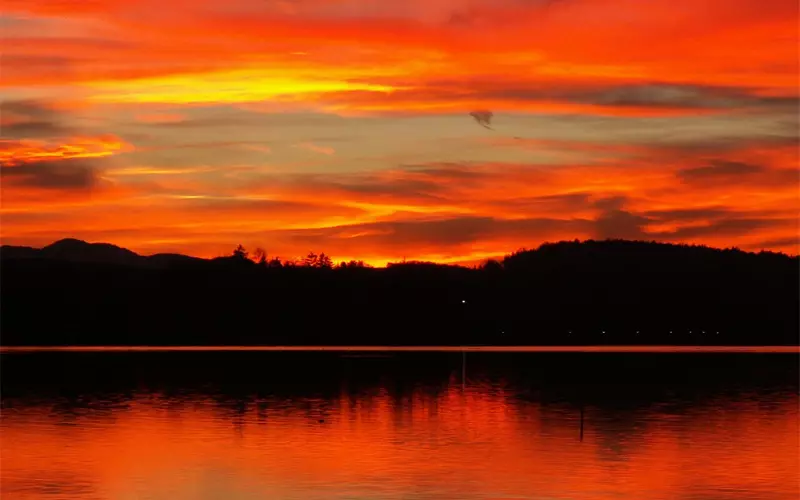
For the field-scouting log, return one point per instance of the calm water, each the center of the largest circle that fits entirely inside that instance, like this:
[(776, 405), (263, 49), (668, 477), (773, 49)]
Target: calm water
[(328, 425)]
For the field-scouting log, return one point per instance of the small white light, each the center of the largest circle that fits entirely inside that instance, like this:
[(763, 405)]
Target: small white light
[(637, 332), (463, 301), (603, 331)]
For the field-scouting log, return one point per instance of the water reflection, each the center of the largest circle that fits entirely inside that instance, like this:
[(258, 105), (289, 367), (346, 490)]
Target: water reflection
[(262, 425)]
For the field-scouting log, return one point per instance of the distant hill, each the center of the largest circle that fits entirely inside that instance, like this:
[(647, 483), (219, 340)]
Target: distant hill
[(591, 292), (19, 252), (74, 250), (80, 251)]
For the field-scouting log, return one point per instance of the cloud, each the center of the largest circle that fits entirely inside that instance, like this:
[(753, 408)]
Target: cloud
[(29, 108), (790, 244), (67, 174), (625, 48), (399, 190), (587, 97), (616, 223), (261, 209), (445, 236), (724, 227), (483, 118), (26, 151), (394, 219), (730, 172), (407, 185), (627, 129), (310, 146), (446, 171), (42, 155), (719, 169), (177, 121), (30, 119), (610, 203), (44, 158), (33, 129), (688, 214), (160, 118), (564, 204), (682, 96), (619, 224), (33, 68)]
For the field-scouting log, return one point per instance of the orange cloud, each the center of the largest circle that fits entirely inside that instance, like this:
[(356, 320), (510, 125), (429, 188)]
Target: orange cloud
[(160, 118), (629, 45), (456, 212), (325, 150), (28, 150)]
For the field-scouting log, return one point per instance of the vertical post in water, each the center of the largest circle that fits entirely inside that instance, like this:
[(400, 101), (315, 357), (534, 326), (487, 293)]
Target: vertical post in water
[(581, 421), (463, 368)]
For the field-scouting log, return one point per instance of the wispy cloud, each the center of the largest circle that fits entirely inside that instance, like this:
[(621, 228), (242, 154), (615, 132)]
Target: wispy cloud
[(310, 146)]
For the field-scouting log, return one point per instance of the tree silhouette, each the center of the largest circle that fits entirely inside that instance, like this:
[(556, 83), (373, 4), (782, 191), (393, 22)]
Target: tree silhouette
[(492, 266), (260, 256), (586, 293), (240, 253), (324, 261), (319, 261), (310, 260), (353, 264)]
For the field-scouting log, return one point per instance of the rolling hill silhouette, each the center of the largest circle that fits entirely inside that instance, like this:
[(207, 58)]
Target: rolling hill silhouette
[(74, 250), (592, 292)]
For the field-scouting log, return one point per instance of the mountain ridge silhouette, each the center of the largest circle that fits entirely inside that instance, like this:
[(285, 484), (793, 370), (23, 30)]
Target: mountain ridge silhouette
[(568, 293), (76, 250)]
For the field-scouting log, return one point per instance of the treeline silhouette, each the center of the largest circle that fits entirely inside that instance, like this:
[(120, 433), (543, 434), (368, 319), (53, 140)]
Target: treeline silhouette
[(592, 292)]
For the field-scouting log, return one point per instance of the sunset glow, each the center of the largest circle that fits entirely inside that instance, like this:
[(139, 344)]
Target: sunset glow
[(344, 126)]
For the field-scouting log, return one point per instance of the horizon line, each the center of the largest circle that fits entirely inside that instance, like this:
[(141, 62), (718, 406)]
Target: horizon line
[(412, 348), (422, 259)]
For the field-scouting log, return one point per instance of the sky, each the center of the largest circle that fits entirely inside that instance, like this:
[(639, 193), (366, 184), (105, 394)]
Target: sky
[(345, 127)]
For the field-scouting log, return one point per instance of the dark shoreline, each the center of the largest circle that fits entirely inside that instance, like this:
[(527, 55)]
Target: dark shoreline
[(570, 293), (617, 349)]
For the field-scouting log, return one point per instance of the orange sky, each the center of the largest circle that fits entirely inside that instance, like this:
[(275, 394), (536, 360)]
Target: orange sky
[(343, 126)]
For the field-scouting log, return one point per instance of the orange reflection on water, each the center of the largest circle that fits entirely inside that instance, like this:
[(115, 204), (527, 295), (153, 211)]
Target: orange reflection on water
[(487, 441), (763, 349)]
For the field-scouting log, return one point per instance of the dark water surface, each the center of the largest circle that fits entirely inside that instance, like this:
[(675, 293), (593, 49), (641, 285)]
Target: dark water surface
[(398, 425)]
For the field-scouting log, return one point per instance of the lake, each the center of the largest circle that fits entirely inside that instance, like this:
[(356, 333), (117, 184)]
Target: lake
[(389, 424)]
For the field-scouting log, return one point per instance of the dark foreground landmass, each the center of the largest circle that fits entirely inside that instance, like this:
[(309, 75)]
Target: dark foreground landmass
[(594, 292)]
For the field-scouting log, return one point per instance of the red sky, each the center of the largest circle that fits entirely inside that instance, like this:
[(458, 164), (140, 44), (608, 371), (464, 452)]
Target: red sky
[(344, 126)]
